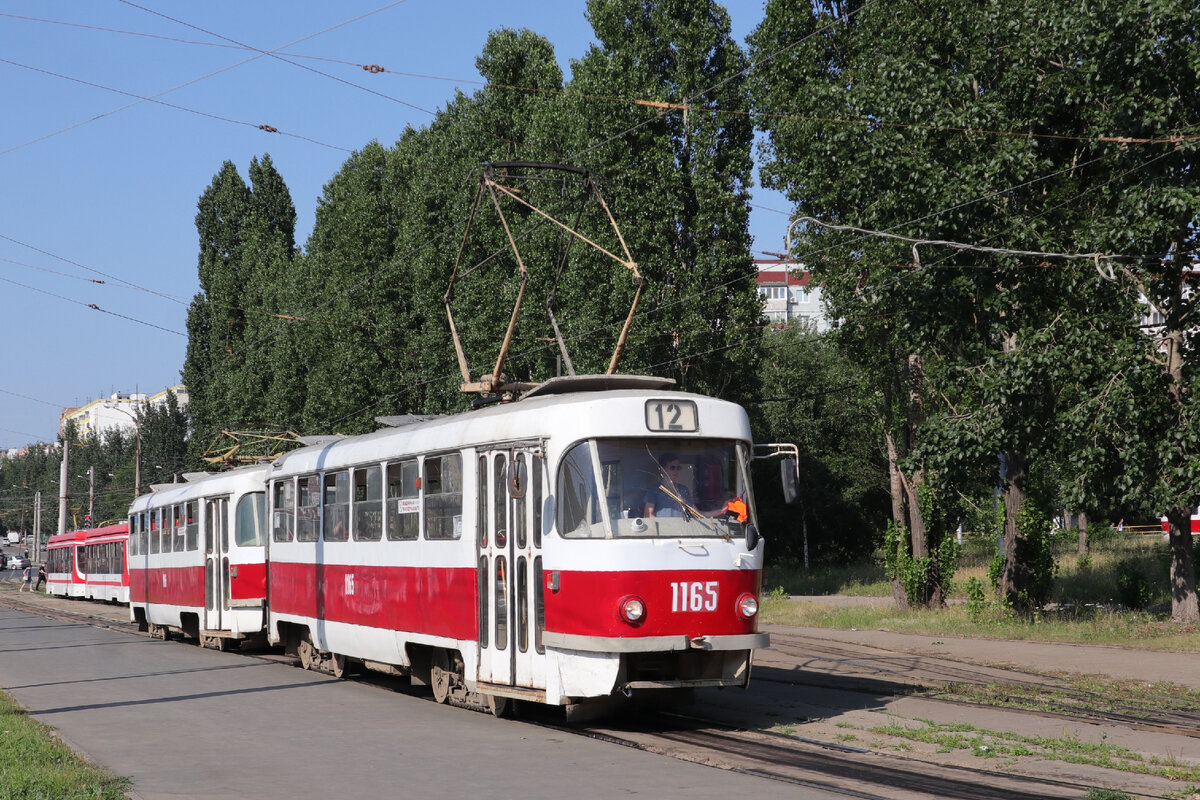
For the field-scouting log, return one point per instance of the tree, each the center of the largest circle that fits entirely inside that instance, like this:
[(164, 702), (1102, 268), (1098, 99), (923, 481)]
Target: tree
[(678, 180), (939, 127), (246, 246), (820, 400)]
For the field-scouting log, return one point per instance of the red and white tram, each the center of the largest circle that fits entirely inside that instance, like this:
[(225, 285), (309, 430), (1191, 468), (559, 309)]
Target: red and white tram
[(89, 563), (197, 560), (595, 538), (505, 552)]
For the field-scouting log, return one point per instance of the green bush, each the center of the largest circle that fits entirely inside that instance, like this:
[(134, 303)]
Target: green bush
[(1133, 588)]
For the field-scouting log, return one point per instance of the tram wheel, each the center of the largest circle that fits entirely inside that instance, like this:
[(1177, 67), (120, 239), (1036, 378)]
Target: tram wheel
[(337, 665), (439, 675), (309, 658)]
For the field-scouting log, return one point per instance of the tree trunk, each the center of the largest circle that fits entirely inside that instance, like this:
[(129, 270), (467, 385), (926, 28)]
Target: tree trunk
[(1016, 577), (1183, 577), (1081, 523)]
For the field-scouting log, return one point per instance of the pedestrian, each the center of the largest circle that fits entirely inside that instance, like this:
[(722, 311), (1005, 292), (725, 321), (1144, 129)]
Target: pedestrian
[(26, 580), (41, 577)]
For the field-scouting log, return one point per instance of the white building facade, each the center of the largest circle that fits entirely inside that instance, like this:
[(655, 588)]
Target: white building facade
[(789, 294), (119, 410)]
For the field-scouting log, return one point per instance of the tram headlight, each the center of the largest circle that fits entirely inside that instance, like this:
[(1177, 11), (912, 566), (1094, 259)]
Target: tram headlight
[(747, 605), (633, 610)]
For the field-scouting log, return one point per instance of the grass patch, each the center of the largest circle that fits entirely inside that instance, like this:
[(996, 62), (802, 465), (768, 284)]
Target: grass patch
[(35, 765), (1085, 695), (986, 743)]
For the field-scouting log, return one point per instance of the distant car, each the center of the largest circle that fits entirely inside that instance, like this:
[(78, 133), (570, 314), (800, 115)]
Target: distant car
[(17, 562)]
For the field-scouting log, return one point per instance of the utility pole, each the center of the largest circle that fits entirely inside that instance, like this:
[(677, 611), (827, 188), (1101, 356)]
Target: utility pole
[(63, 472), (37, 526), (91, 496)]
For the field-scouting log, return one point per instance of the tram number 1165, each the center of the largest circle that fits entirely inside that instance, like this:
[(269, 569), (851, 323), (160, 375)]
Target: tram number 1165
[(694, 596)]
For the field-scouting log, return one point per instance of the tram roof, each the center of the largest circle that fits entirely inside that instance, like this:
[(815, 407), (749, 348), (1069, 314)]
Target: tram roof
[(495, 423)]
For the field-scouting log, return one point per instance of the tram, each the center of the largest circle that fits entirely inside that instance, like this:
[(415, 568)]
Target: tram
[(89, 564), (516, 551), (197, 557), (595, 539)]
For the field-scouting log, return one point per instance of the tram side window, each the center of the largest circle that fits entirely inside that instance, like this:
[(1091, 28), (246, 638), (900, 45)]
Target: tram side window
[(368, 498), (308, 508), (155, 523), (578, 499), (443, 496), (404, 500), (134, 535), (180, 527), (143, 533), (336, 522), (284, 517), (250, 522), (192, 525)]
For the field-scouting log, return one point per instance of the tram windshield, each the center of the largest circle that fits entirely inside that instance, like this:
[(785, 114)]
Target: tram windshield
[(654, 488)]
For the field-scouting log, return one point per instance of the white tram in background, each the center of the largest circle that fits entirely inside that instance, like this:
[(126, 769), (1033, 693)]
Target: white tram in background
[(595, 538)]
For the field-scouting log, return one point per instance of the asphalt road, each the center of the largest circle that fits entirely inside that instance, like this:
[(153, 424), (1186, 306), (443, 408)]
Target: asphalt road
[(183, 722)]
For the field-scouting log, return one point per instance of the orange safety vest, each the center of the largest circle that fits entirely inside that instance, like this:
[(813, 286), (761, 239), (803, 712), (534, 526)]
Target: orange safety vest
[(738, 507)]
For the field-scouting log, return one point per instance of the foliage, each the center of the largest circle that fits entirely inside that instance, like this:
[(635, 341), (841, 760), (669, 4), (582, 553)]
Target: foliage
[(818, 400), (36, 764), (891, 125), (976, 599), (1133, 588)]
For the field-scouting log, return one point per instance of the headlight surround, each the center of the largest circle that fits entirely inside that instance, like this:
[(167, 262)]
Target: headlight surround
[(747, 606)]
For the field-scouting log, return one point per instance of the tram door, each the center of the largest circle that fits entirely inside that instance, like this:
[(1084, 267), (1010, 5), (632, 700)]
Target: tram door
[(509, 533), (216, 562)]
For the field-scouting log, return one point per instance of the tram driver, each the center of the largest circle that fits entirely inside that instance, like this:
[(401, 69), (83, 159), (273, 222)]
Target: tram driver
[(664, 499)]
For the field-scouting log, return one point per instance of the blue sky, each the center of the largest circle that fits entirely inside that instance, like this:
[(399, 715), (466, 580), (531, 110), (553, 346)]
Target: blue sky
[(98, 185)]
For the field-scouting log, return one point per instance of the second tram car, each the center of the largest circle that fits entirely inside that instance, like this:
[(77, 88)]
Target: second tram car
[(597, 538), (197, 559)]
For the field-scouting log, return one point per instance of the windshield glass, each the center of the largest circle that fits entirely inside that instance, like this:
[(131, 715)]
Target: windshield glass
[(654, 487)]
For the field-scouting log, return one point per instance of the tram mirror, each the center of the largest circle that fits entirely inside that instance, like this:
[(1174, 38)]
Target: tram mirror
[(751, 537), (518, 478), (788, 475)]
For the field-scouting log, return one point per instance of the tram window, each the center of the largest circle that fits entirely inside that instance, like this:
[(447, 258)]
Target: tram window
[(518, 521), (335, 525), (284, 516), (481, 503), (522, 606), (250, 521), (180, 528), (500, 500), (153, 531), (144, 531), (308, 508), (501, 599), (535, 497), (443, 496), (193, 526), (579, 503), (133, 535), (368, 494), (539, 605), (404, 500)]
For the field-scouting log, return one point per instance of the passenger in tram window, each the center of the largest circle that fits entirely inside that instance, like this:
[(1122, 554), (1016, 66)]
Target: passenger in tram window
[(662, 500)]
